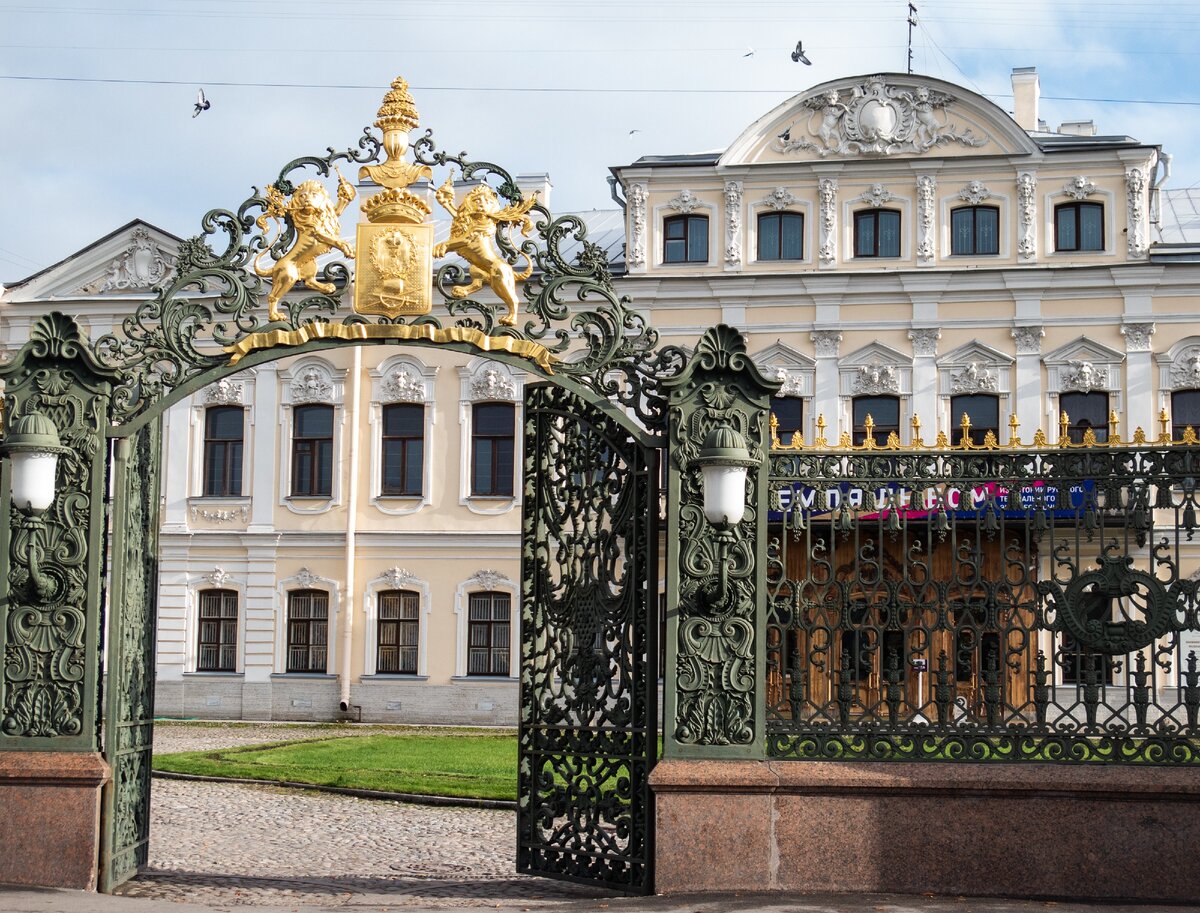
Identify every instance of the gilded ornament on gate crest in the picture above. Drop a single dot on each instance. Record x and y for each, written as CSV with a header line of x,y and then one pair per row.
x,y
314,217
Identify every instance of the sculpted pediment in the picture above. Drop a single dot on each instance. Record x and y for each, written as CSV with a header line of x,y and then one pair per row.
x,y
888,115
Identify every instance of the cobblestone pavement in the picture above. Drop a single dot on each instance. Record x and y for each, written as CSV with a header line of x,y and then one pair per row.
x,y
219,843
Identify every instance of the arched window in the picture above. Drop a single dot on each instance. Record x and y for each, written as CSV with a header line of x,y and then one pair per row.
x,y
884,412
492,449
1085,411
307,631
1079,227
781,236
403,457
981,409
216,650
685,239
399,632
312,451
975,230
1185,412
877,233
223,433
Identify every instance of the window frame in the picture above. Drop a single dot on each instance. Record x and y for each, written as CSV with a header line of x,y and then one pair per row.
x,y
293,597
1078,206
975,211
312,444
785,433
1076,430
783,217
690,256
225,624
406,441
490,625
880,430
873,215
473,462
1177,427
406,599
978,431
229,462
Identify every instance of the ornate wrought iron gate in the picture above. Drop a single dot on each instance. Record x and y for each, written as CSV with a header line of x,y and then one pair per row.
x,y
588,727
129,699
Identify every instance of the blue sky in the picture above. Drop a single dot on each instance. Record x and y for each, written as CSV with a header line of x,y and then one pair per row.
x,y
96,97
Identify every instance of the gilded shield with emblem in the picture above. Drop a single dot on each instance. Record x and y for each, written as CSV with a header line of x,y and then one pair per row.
x,y
395,269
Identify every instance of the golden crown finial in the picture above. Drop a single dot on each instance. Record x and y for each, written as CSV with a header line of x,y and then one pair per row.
x,y
398,111
397,116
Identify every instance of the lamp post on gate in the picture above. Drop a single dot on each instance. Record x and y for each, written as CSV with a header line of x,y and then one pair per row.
x,y
33,448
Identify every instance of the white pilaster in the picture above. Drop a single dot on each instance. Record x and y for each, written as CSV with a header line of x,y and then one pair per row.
x,y
924,384
1028,381
176,471
262,465
825,389
1139,378
261,594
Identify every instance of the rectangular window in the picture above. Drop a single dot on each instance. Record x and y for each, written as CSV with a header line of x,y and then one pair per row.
x,y
312,451
399,632
488,633
685,239
403,450
982,411
789,413
307,631
1085,412
781,236
217,650
877,233
885,417
1079,227
493,450
1185,412
975,230
223,432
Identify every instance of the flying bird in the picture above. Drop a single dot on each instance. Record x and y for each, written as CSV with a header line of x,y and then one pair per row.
x,y
631,132
798,55
749,52
202,103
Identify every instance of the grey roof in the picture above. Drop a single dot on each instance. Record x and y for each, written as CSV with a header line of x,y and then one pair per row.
x,y
1180,216
690,158
1053,141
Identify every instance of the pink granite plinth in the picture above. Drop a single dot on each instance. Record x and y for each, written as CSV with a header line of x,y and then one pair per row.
x,y
50,818
1029,830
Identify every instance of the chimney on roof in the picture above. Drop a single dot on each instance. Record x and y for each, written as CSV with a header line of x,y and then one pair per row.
x,y
1026,92
1078,128
539,182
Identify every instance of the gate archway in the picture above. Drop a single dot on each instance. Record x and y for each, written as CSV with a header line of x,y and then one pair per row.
x,y
588,702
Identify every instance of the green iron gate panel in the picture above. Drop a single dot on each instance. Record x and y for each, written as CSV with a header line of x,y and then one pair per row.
x,y
129,701
588,728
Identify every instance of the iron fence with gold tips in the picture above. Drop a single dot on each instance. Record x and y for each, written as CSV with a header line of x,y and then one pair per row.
x,y
965,441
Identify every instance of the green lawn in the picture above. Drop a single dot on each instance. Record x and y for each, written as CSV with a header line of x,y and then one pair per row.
x,y
473,763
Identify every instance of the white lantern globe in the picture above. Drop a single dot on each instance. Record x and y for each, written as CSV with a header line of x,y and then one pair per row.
x,y
724,460
33,447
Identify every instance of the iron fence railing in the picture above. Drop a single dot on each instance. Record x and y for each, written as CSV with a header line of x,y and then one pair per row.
x,y
1026,603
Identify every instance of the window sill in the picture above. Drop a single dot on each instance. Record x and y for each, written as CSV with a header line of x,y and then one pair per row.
x,y
384,677
232,500
491,679
313,675
238,676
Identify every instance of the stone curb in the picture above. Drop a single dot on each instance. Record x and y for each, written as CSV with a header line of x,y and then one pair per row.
x,y
414,798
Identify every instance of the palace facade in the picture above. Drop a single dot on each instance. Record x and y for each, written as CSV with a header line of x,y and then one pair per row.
x,y
340,532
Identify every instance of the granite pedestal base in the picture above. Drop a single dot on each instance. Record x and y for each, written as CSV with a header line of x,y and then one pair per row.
x,y
1029,830
50,818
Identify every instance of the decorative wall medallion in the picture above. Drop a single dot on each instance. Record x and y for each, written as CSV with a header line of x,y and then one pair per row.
x,y
791,382
826,342
224,392
733,223
397,578
875,119
876,195
827,189
637,219
926,190
1029,340
493,384
1185,372
876,379
975,193
975,378
1084,377
925,340
780,199
489,580
1135,195
402,385
306,578
218,515
1137,336
1079,188
312,386
685,202
218,577
143,265
1027,215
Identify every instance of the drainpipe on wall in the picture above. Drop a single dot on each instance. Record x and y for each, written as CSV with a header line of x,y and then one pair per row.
x,y
350,603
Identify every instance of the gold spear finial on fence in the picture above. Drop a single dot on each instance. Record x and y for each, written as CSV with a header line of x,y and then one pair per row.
x,y
869,427
820,441
775,445
1164,423
1063,424
917,443
965,425
1113,438
1014,439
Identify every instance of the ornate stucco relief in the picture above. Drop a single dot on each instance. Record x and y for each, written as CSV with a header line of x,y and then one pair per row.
x,y
142,265
826,342
685,202
1029,339
876,195
733,223
1027,215
312,386
876,379
1137,336
975,192
402,385
925,340
926,191
1084,377
637,221
1135,195
224,392
975,378
875,118
779,199
827,189
1079,187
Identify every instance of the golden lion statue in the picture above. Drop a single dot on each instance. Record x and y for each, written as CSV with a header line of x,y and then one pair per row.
x,y
473,237
315,219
